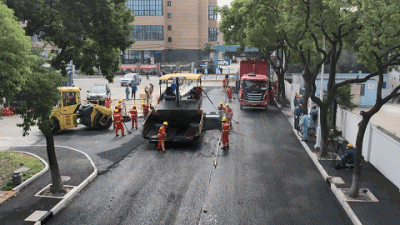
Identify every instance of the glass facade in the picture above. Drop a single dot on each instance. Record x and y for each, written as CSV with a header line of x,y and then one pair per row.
x,y
212,34
146,7
142,56
148,33
211,15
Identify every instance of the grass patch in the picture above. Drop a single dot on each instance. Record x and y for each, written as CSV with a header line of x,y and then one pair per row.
x,y
10,161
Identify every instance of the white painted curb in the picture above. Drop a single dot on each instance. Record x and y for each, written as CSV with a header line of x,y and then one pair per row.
x,y
44,170
70,195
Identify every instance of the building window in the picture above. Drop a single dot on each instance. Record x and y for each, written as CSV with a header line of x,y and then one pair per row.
x,y
212,34
169,39
169,3
146,7
169,27
169,15
148,33
211,15
362,89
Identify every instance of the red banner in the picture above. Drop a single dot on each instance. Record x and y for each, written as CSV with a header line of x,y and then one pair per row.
x,y
140,67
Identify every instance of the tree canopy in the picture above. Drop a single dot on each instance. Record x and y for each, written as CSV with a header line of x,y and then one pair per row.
x,y
15,55
90,33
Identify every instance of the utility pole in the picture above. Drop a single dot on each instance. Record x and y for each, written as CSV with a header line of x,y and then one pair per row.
x,y
321,96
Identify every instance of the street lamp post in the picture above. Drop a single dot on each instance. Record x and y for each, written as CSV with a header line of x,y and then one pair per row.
x,y
321,96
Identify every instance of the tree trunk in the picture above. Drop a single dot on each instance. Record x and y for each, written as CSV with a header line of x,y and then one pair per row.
x,y
354,189
281,88
56,186
324,132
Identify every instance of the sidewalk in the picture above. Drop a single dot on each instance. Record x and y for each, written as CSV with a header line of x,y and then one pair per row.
x,y
385,211
77,170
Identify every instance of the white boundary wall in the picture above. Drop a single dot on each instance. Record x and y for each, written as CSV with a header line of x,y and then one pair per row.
x,y
379,149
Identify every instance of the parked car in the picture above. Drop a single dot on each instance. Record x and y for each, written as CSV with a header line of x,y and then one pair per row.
x,y
222,62
130,78
98,92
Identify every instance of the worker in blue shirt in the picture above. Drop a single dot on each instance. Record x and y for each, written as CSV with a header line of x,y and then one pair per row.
x,y
297,114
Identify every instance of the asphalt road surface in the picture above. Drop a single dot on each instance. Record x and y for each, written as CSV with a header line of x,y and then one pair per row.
x,y
265,178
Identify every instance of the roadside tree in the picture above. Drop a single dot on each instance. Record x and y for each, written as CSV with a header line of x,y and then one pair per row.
x,y
15,55
40,95
254,24
378,48
90,33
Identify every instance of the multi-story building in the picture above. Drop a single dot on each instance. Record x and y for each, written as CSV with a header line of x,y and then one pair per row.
x,y
171,31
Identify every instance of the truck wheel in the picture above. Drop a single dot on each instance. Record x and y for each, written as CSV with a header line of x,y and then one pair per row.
x,y
56,126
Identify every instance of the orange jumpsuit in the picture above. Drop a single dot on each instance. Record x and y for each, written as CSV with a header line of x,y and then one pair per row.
x,y
223,83
229,114
134,118
161,135
107,103
226,129
145,110
118,124
229,91
114,113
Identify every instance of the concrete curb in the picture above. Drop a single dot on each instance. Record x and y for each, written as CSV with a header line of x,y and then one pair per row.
x,y
339,195
68,197
44,170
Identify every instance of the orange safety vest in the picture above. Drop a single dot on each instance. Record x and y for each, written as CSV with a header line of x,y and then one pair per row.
x,y
226,128
117,118
162,132
133,113
229,113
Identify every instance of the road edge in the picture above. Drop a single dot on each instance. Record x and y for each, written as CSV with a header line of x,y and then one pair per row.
x,y
353,217
68,197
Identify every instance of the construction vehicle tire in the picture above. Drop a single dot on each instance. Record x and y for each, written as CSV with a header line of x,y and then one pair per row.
x,y
56,126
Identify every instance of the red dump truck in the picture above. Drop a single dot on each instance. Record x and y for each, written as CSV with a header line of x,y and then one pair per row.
x,y
255,89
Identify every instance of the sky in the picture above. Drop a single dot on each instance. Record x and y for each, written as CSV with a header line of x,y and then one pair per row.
x,y
224,2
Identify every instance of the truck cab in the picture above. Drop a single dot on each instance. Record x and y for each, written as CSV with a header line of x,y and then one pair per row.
x,y
254,90
64,116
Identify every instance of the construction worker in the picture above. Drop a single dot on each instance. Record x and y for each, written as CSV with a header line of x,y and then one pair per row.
x,y
145,109
118,123
223,84
229,92
107,102
305,121
120,105
127,91
222,108
297,113
162,133
229,113
134,117
115,112
296,99
347,160
226,130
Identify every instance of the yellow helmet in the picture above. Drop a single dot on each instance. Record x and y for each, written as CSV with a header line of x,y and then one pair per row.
x,y
201,85
229,85
224,119
134,106
120,100
226,104
165,123
296,92
221,103
301,95
116,110
116,105
350,145
142,103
